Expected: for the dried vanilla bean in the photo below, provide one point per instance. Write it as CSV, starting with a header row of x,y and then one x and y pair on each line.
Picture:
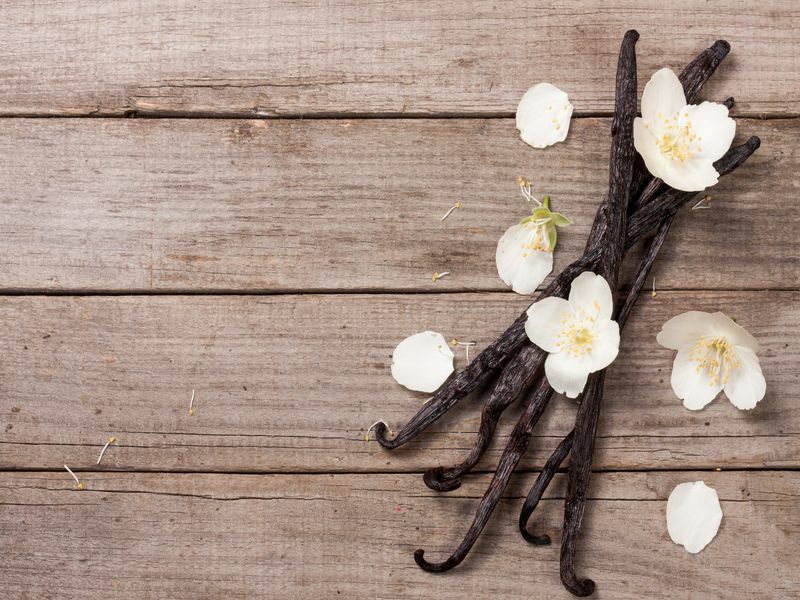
x,y
539,486
619,192
516,447
517,376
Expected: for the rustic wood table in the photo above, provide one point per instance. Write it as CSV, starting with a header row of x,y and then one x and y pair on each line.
x,y
244,198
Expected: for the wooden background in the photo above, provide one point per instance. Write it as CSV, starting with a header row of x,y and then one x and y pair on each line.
x,y
243,198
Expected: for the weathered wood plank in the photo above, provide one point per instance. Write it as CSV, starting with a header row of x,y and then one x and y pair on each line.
x,y
349,536
291,383
419,57
160,205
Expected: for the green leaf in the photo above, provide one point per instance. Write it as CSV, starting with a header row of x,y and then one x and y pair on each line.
x,y
560,220
552,235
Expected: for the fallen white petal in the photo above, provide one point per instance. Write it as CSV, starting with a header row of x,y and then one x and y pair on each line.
x,y
693,515
422,362
543,115
747,385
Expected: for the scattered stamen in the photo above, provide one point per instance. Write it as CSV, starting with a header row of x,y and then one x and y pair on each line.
x,y
653,293
191,404
437,276
452,208
111,440
525,186
78,483
703,203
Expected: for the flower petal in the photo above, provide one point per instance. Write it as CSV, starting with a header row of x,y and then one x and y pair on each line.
x,y
690,175
693,515
746,386
544,322
686,329
692,385
714,128
543,115
518,265
663,95
736,334
422,362
567,373
592,293
645,140
605,346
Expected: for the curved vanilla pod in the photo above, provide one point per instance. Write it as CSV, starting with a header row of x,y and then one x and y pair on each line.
x,y
538,488
516,378
613,234
516,447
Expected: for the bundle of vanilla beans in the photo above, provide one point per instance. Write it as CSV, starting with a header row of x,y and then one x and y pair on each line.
x,y
635,204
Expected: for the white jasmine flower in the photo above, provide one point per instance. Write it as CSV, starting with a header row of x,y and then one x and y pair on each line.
x,y
543,115
524,255
714,354
678,142
422,362
578,333
693,515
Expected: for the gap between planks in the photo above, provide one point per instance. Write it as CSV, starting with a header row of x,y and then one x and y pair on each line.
x,y
336,116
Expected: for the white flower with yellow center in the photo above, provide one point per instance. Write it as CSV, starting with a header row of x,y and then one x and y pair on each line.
x,y
578,333
714,354
678,142
543,115
524,255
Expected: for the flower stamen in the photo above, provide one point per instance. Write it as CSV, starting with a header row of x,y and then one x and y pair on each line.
x,y
110,441
437,276
452,208
78,483
715,356
525,187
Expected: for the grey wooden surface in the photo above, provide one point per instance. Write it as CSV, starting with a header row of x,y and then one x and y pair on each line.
x,y
218,242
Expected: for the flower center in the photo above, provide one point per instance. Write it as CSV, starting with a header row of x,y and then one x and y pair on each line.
x,y
536,240
715,356
675,137
577,334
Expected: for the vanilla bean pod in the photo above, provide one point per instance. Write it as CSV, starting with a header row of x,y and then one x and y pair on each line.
x,y
538,488
494,356
564,447
517,376
516,447
616,207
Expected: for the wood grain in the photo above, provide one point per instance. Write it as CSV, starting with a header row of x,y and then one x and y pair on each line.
x,y
309,58
218,205
291,384
197,536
